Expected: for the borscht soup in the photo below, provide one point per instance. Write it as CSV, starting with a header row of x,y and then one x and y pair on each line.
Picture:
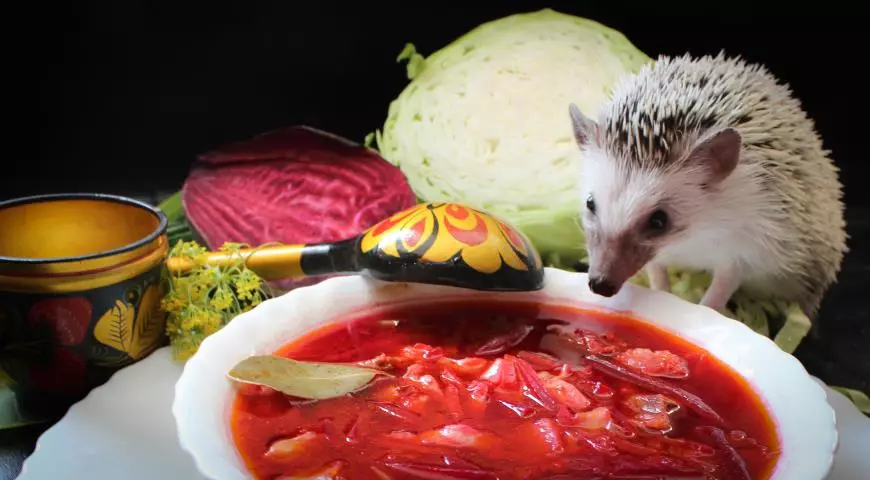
x,y
503,390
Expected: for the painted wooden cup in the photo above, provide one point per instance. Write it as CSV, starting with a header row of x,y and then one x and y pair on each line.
x,y
80,291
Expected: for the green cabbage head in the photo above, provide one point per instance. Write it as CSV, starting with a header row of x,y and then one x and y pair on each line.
x,y
484,121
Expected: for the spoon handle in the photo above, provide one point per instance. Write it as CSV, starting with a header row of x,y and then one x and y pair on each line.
x,y
276,262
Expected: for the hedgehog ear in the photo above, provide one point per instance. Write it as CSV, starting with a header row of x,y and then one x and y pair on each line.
x,y
585,129
718,153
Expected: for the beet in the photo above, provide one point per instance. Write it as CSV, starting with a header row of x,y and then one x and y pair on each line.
x,y
291,185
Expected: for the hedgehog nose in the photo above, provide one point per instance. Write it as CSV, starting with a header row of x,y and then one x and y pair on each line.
x,y
602,286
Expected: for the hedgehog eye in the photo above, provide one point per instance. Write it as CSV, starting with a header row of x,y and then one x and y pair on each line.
x,y
590,205
658,221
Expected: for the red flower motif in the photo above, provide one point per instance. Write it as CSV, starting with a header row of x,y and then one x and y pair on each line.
x,y
68,318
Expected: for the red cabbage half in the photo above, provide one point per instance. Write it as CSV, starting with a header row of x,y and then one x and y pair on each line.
x,y
292,185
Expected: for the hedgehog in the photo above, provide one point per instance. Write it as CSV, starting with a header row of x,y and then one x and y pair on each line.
x,y
709,164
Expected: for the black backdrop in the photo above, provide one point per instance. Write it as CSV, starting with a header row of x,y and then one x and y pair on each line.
x,y
129,93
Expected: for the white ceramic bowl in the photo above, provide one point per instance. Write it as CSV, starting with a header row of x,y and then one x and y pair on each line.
x,y
203,394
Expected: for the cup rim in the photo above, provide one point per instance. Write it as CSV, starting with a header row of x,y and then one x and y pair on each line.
x,y
162,225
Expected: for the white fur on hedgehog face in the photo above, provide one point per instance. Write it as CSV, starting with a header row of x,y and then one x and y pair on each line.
x,y
636,207
621,234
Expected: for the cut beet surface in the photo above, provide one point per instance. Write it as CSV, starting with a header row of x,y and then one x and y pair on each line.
x,y
291,185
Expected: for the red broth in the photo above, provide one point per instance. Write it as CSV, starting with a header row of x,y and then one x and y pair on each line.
x,y
510,391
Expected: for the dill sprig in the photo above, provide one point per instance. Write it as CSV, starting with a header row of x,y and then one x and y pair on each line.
x,y
203,300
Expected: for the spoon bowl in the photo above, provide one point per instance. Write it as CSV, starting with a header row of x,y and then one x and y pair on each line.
x,y
435,243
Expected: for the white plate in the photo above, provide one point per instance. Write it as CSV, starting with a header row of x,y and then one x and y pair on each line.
x,y
125,430
204,397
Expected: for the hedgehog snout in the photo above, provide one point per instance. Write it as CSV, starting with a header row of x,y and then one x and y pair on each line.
x,y
603,286
613,259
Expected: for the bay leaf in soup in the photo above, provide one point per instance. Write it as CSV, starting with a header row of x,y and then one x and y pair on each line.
x,y
309,380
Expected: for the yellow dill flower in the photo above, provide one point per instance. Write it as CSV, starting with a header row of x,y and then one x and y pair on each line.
x,y
230,247
257,299
212,323
197,291
222,299
194,319
247,284
201,302
190,250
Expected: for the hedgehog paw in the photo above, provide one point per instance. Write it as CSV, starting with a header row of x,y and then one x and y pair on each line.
x,y
724,284
658,277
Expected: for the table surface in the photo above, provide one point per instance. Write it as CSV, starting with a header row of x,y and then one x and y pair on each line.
x,y
835,351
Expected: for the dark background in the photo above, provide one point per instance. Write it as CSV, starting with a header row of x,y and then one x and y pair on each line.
x,y
129,93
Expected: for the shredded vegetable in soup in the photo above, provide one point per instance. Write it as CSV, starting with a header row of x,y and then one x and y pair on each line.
x,y
504,391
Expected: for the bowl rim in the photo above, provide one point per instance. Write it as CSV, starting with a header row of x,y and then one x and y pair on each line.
x,y
805,421
162,225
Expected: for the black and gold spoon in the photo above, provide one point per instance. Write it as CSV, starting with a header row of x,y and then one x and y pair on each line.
x,y
435,243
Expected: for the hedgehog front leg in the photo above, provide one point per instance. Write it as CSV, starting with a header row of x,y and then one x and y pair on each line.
x,y
725,283
658,277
